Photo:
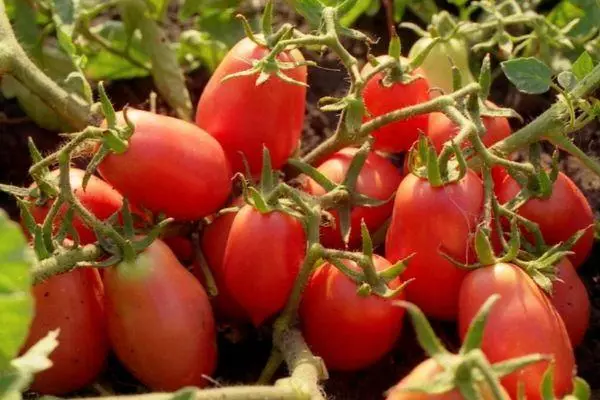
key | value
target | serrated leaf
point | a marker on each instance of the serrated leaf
(583, 65)
(567, 80)
(16, 300)
(529, 75)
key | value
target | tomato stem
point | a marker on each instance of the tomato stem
(65, 261)
(209, 280)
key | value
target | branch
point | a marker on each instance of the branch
(65, 262)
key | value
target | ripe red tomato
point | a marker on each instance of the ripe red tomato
(171, 166)
(160, 321)
(348, 331)
(398, 136)
(570, 298)
(74, 303)
(262, 258)
(98, 197)
(561, 215)
(523, 321)
(424, 372)
(214, 242)
(441, 129)
(182, 248)
(243, 116)
(378, 179)
(426, 220)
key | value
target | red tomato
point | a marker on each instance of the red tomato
(348, 331)
(427, 371)
(426, 220)
(441, 129)
(378, 179)
(214, 241)
(262, 258)
(98, 197)
(379, 100)
(559, 217)
(182, 248)
(570, 298)
(72, 302)
(160, 321)
(523, 321)
(243, 116)
(171, 166)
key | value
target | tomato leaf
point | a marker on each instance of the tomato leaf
(529, 75)
(567, 80)
(16, 300)
(588, 19)
(583, 65)
(193, 7)
(563, 13)
(158, 8)
(311, 10)
(198, 48)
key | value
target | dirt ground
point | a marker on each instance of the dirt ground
(241, 362)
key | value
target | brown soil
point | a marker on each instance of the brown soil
(241, 362)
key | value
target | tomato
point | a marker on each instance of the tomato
(182, 248)
(425, 372)
(214, 242)
(441, 129)
(348, 331)
(570, 298)
(160, 321)
(98, 197)
(378, 179)
(523, 321)
(437, 65)
(171, 167)
(379, 100)
(72, 302)
(262, 259)
(243, 116)
(561, 215)
(426, 220)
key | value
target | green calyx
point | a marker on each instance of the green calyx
(425, 163)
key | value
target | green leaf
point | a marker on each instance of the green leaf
(158, 8)
(563, 13)
(16, 300)
(425, 333)
(529, 75)
(567, 80)
(311, 10)
(193, 7)
(589, 19)
(198, 48)
(27, 30)
(104, 65)
(350, 16)
(583, 65)
(65, 13)
(474, 335)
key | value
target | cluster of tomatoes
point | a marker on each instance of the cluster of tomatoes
(156, 316)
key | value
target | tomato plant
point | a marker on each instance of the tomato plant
(270, 114)
(378, 179)
(197, 180)
(523, 322)
(156, 287)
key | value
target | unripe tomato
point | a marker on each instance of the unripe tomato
(561, 215)
(570, 298)
(160, 322)
(378, 179)
(349, 331)
(441, 129)
(72, 302)
(171, 167)
(262, 258)
(244, 116)
(523, 321)
(425, 372)
(425, 221)
(379, 100)
(438, 68)
(98, 197)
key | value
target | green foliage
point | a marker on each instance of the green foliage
(529, 75)
(583, 65)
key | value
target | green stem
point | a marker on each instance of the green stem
(229, 393)
(65, 262)
(209, 280)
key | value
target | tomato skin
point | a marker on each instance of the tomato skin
(378, 179)
(99, 198)
(179, 350)
(263, 255)
(561, 215)
(171, 166)
(441, 129)
(424, 372)
(243, 116)
(570, 298)
(182, 248)
(348, 331)
(523, 321)
(74, 303)
(398, 136)
(427, 219)
(214, 242)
